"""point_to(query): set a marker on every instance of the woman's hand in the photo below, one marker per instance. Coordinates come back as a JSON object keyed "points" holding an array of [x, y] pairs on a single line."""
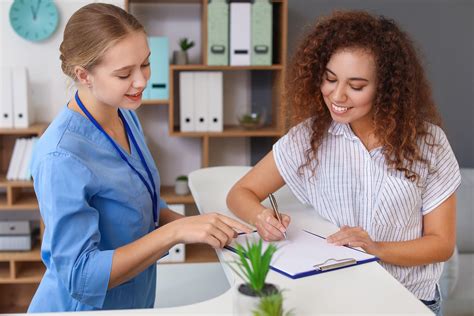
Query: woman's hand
{"points": [[213, 229], [269, 228], [354, 237]]}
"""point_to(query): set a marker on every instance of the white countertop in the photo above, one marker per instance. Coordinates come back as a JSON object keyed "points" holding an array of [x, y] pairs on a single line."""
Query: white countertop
{"points": [[363, 289]]}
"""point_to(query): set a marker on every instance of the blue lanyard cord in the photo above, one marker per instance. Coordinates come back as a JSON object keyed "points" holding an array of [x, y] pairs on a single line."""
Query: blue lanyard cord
{"points": [[153, 194]]}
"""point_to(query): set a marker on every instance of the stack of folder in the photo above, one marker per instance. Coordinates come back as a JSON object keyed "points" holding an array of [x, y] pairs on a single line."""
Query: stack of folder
{"points": [[19, 167], [239, 32], [201, 101]]}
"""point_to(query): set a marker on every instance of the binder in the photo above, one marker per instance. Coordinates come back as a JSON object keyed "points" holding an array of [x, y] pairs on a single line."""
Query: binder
{"points": [[159, 67], [12, 166], [177, 253], [21, 111], [201, 101], [261, 27], [216, 100], [186, 102], [240, 13], [305, 253], [218, 32], [25, 161], [6, 98]]}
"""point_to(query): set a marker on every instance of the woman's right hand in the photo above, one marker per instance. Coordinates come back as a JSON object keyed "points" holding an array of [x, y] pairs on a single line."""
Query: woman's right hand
{"points": [[269, 228], [214, 229]]}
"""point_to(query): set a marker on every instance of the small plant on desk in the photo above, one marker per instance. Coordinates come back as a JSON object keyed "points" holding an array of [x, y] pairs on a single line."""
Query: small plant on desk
{"points": [[255, 296]]}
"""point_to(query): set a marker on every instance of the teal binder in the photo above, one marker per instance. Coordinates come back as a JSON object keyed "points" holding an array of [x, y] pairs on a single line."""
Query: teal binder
{"points": [[158, 86], [217, 32], [261, 42]]}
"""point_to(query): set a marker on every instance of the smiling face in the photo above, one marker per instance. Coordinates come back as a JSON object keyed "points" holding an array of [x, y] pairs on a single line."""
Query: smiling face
{"points": [[349, 86], [121, 77]]}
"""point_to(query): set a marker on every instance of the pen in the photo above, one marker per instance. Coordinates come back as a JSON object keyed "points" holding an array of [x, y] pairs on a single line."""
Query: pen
{"points": [[275, 210]]}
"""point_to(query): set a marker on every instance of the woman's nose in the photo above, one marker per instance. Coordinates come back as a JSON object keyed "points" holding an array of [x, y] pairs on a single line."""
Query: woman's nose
{"points": [[339, 94]]}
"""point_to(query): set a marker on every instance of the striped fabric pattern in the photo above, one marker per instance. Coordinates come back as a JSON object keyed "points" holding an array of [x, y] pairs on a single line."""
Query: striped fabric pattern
{"points": [[352, 186]]}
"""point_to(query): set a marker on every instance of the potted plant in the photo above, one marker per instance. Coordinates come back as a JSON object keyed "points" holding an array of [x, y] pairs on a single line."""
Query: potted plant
{"points": [[181, 57], [252, 266], [181, 185]]}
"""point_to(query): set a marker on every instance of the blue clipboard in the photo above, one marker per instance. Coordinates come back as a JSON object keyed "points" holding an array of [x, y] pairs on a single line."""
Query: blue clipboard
{"points": [[306, 253]]}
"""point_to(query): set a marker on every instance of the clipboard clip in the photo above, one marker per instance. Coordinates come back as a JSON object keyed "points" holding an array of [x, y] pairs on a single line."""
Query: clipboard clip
{"points": [[332, 263]]}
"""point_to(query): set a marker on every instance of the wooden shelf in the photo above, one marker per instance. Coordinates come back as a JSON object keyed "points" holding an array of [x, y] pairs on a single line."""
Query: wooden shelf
{"points": [[232, 131], [32, 255], [223, 68], [34, 129], [29, 272], [17, 184], [200, 253], [167, 194], [155, 102]]}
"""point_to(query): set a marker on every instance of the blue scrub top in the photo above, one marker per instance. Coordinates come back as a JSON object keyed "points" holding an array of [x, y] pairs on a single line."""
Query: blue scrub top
{"points": [[91, 202]]}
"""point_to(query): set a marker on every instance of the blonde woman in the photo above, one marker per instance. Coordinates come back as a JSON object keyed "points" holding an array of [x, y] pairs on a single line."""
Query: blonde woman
{"points": [[96, 181]]}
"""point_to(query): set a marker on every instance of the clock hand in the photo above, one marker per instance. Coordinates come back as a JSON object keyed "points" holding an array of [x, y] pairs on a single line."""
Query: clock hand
{"points": [[35, 12]]}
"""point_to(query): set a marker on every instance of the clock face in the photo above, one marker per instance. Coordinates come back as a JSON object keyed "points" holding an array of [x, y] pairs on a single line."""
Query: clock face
{"points": [[34, 20]]}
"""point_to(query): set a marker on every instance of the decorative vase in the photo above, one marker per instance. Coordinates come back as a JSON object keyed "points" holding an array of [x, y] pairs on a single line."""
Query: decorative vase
{"points": [[181, 187], [180, 57], [246, 300]]}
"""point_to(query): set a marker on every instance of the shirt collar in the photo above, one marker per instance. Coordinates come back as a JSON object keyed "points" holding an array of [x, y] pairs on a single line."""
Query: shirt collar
{"points": [[343, 129]]}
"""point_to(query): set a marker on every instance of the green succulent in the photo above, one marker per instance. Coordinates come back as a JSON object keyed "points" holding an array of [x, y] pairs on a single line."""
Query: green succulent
{"points": [[254, 270], [182, 178], [271, 305], [185, 44]]}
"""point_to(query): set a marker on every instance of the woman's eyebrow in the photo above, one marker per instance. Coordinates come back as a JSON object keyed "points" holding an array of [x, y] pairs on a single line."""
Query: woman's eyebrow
{"points": [[351, 79], [131, 66]]}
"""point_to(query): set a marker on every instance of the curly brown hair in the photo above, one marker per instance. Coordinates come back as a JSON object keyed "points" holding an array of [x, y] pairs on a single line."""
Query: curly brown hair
{"points": [[403, 102]]}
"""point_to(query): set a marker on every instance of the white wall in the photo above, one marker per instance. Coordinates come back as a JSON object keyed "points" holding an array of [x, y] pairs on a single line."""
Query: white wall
{"points": [[49, 90]]}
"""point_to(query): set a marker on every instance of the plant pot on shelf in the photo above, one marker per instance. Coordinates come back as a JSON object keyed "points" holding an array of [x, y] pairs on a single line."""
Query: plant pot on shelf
{"points": [[180, 57], [181, 185], [247, 301]]}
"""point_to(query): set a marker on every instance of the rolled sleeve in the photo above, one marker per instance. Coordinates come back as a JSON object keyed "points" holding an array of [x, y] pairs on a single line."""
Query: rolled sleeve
{"points": [[444, 177], [64, 186], [289, 154]]}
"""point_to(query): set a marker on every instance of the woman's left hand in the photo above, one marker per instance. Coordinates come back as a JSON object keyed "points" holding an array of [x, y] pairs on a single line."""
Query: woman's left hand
{"points": [[354, 237]]}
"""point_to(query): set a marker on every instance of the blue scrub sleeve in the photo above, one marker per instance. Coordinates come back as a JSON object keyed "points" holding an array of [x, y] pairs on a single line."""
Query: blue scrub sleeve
{"points": [[63, 186]]}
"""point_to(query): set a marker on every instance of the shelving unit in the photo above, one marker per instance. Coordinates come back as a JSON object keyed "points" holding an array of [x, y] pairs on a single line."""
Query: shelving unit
{"points": [[20, 271], [278, 107]]}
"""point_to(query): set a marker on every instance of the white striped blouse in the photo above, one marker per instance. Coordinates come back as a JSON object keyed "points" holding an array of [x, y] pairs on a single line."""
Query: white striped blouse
{"points": [[352, 186]]}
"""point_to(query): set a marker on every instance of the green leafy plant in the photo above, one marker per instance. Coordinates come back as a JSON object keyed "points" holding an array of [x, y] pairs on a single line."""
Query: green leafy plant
{"points": [[271, 305], [185, 44], [182, 178], [254, 270]]}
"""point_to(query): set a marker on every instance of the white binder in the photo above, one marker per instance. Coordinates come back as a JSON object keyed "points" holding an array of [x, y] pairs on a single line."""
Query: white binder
{"points": [[240, 16], [25, 161], [6, 98], [177, 253], [22, 117], [186, 101], [201, 101], [216, 106]]}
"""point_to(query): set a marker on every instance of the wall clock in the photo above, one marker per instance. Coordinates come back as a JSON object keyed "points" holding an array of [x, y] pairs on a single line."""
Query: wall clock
{"points": [[34, 20]]}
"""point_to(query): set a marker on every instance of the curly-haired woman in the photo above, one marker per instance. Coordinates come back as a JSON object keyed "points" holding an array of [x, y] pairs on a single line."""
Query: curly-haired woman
{"points": [[367, 151]]}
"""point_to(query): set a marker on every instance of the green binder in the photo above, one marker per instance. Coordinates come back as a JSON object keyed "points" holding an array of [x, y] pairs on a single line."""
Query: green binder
{"points": [[217, 32], [261, 42]]}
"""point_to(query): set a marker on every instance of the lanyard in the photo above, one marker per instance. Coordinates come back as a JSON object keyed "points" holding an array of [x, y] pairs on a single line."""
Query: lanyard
{"points": [[152, 193]]}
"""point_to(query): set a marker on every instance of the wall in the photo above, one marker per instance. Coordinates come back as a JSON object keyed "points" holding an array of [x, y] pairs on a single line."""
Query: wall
{"points": [[444, 33]]}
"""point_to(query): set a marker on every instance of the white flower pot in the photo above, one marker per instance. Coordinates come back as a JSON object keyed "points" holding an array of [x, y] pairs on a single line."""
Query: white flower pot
{"points": [[181, 187]]}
